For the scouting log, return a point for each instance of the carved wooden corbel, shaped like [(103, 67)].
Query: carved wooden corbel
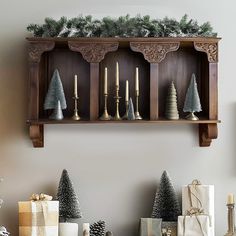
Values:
[(93, 52), (154, 52), (36, 49), (211, 49), (36, 135), (207, 132)]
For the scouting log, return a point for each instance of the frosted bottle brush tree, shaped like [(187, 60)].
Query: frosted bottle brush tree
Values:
[(166, 204), (69, 207), (192, 101), (55, 98)]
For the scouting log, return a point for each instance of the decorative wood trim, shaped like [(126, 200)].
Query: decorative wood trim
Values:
[(154, 52), (93, 52), (207, 132), (37, 135), (211, 49), (36, 49)]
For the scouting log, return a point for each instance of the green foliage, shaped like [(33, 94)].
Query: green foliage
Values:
[(166, 205), (68, 200), (123, 26)]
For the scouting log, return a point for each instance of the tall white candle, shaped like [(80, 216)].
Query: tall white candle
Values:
[(105, 81), (86, 228), (136, 79), (230, 199), (127, 91), (117, 74), (75, 86)]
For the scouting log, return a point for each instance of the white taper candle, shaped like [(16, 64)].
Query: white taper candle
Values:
[(127, 91), (136, 79), (76, 86), (117, 74), (105, 81)]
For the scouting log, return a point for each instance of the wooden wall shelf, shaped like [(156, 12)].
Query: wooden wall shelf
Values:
[(160, 60)]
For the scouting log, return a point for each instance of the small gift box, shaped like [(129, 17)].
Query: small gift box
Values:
[(196, 225), (38, 218), (150, 227)]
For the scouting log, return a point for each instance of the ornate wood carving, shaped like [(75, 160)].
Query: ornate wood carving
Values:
[(93, 52), (36, 135), (36, 49), (211, 49), (207, 132), (154, 52)]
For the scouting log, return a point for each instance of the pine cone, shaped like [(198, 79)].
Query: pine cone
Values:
[(98, 228)]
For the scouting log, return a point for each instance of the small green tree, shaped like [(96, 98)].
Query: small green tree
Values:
[(192, 101), (68, 200), (166, 204), (131, 110), (55, 93)]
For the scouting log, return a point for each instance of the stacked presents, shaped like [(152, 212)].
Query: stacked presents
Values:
[(197, 210)]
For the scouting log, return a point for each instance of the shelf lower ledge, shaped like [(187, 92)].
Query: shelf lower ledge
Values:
[(159, 121)]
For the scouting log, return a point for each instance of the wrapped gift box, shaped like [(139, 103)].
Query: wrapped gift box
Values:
[(150, 227), (194, 226), (38, 218), (205, 193)]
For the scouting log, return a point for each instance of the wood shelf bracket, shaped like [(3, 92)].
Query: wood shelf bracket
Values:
[(211, 49), (207, 132), (154, 52), (37, 135)]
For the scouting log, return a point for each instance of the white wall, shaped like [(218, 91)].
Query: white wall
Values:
[(115, 168)]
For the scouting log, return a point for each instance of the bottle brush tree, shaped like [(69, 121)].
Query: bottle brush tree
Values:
[(166, 204), (55, 93), (192, 101), (68, 201)]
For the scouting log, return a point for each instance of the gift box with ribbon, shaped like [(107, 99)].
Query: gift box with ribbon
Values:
[(38, 217), (198, 201), (196, 225), (150, 227)]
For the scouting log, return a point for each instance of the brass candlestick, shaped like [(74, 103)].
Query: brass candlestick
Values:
[(231, 223), (137, 115), (117, 98), (125, 117), (76, 115), (105, 115)]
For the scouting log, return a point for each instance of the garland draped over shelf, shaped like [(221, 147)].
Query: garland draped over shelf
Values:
[(124, 26)]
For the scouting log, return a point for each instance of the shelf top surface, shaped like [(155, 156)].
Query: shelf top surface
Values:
[(128, 39)]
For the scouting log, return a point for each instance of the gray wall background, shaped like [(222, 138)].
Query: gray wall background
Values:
[(115, 168)]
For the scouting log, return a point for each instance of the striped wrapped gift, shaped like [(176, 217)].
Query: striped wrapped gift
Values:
[(38, 218)]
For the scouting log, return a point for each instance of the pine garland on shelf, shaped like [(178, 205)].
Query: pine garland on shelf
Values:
[(123, 26)]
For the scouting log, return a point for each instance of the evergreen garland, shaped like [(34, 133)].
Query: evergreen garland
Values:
[(123, 26)]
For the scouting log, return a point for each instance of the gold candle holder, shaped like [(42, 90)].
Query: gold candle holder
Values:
[(76, 115), (125, 117), (231, 221), (117, 100), (136, 114), (105, 115)]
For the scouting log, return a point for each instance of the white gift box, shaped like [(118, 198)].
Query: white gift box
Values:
[(194, 226), (38, 218), (204, 193)]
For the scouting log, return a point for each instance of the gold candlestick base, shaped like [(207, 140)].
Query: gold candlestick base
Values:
[(136, 113), (125, 116), (76, 115), (105, 115), (231, 219), (117, 99)]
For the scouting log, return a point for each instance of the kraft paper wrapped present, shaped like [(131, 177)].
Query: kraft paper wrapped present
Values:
[(38, 218), (150, 227), (199, 196), (194, 225)]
